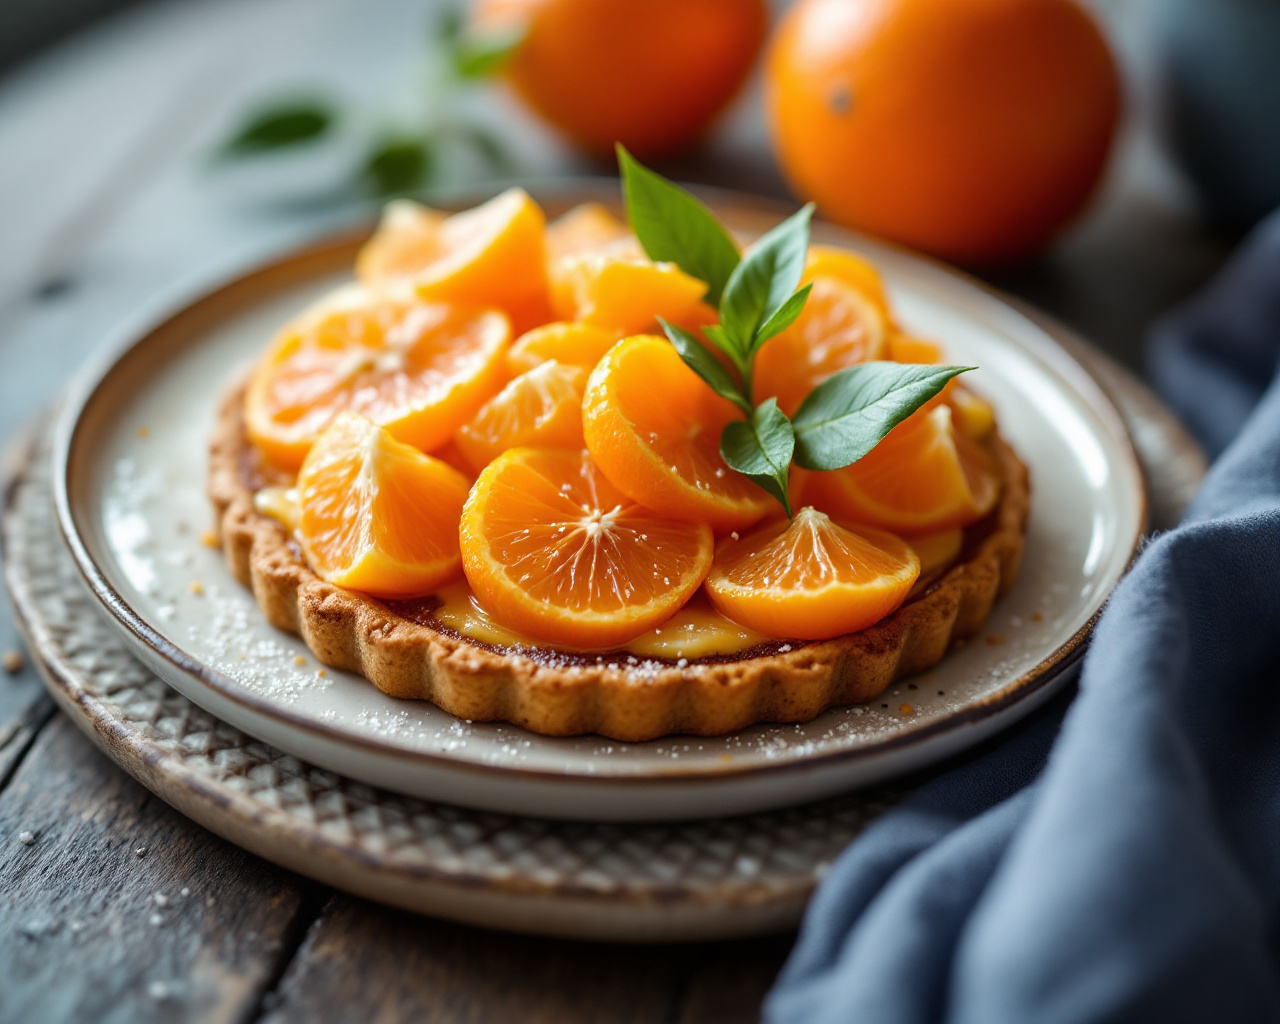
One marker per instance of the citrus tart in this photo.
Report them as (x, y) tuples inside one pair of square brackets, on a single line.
[(587, 477)]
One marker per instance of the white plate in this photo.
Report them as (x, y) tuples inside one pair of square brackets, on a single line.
[(129, 486)]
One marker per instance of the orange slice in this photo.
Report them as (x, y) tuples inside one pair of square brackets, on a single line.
[(938, 549), (925, 475), (623, 294), (492, 255), (539, 409), (973, 415), (376, 515), (419, 370), (588, 227), (810, 578), (653, 427), (553, 549), (844, 322), (905, 348), (568, 343)]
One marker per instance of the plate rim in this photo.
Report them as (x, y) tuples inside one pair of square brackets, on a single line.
[(300, 262)]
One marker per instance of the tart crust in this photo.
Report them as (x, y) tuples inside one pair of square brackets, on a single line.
[(625, 697)]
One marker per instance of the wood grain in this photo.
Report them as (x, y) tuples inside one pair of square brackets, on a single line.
[(90, 929)]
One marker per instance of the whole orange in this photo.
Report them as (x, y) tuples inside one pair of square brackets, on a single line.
[(650, 74), (971, 129)]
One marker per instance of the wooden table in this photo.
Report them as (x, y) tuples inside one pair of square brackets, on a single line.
[(118, 908)]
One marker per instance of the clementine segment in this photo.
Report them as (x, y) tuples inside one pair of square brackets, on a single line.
[(552, 548), (587, 227), (925, 475), (418, 369), (571, 344), (653, 427), (905, 348), (541, 409), (623, 293), (844, 322), (376, 515), (491, 255), (810, 578)]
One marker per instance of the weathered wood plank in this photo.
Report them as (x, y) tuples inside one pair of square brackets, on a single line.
[(114, 908), (370, 963), (729, 980)]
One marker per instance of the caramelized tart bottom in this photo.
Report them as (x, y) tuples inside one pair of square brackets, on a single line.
[(404, 651)]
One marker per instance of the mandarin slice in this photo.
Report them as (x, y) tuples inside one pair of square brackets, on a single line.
[(539, 409), (571, 344), (625, 294), (973, 415), (653, 426), (925, 475), (844, 322), (810, 578), (906, 348), (587, 227), (553, 549), (420, 370), (376, 515), (491, 255)]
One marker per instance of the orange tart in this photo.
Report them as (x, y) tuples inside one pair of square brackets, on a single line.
[(622, 520)]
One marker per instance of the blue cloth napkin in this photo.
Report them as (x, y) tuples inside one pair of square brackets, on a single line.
[(1121, 863)]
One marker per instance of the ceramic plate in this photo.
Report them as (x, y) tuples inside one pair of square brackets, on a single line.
[(129, 488)]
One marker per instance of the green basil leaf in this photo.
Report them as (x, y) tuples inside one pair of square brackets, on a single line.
[(279, 126), (483, 54), (783, 318), (761, 449), (850, 413), (705, 365), (676, 227), (764, 281), (397, 165)]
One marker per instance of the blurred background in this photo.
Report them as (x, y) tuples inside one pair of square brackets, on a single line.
[(149, 147)]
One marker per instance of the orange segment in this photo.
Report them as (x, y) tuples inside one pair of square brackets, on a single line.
[(553, 549), (844, 321), (376, 515), (492, 255), (973, 415), (623, 294), (653, 427), (568, 343), (419, 370), (938, 549), (905, 348), (540, 409), (810, 578), (925, 475), (588, 227)]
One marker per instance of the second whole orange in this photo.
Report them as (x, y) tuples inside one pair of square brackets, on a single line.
[(651, 74), (971, 129)]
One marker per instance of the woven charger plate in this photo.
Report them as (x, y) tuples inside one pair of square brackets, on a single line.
[(645, 882)]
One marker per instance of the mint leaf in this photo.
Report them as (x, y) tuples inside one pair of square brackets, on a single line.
[(783, 318), (279, 126), (850, 413), (397, 165), (481, 54), (704, 364), (761, 449), (676, 227), (762, 284)]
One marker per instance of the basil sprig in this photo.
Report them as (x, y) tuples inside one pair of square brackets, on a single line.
[(840, 420)]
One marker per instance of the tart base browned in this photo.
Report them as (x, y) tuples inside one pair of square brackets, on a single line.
[(400, 650)]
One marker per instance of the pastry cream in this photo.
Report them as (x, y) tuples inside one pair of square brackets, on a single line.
[(696, 631)]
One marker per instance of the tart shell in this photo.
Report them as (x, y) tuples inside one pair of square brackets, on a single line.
[(621, 696)]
